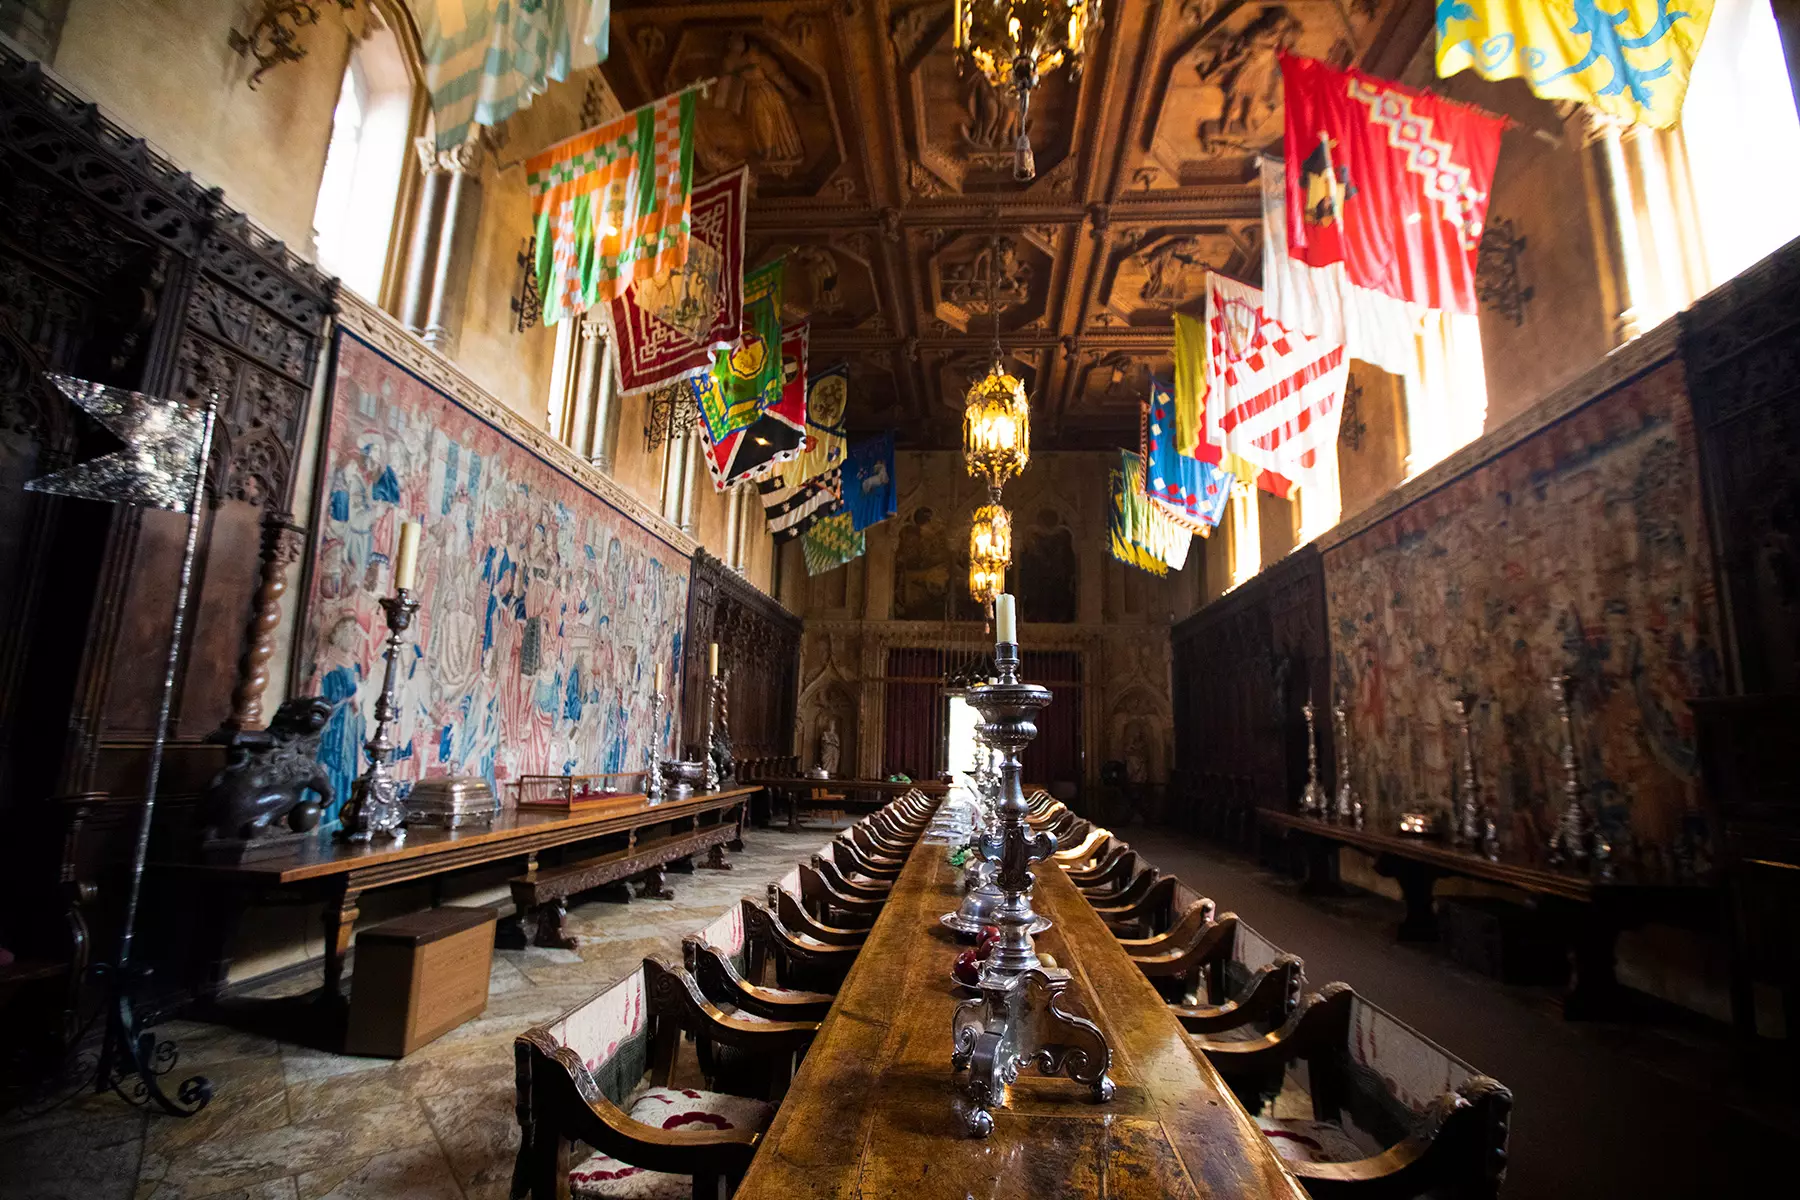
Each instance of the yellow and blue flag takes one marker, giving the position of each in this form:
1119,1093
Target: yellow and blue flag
1631,62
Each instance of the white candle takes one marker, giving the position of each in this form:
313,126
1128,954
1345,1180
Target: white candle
712,662
657,686
406,559
1006,624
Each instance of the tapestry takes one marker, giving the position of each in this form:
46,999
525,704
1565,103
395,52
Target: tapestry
1630,62
668,325
1582,549
543,609
1393,183
612,205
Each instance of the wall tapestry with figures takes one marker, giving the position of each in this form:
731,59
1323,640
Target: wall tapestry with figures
543,608
1580,549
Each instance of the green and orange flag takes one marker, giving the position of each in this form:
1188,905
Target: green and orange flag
612,205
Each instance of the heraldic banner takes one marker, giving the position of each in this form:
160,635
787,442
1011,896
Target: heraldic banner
1391,182
668,325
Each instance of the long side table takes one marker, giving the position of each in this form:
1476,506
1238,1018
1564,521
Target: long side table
875,1108
1593,910
844,793
337,873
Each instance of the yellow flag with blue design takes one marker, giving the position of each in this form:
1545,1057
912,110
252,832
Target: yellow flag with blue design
1630,61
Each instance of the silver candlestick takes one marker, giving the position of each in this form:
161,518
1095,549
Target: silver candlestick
711,781
1465,825
1312,800
1568,841
1009,722
375,809
653,787
1019,1018
1349,807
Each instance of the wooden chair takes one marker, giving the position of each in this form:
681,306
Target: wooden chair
834,907
1102,886
1174,961
1085,852
851,862
581,1080
1132,892
722,984
1103,857
870,846
798,958
787,906
1394,1114
864,888
1164,900
1252,987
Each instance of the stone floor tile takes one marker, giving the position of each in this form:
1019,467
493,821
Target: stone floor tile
416,1173
479,1132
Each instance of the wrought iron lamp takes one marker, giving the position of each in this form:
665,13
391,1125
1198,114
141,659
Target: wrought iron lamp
990,549
1015,43
997,425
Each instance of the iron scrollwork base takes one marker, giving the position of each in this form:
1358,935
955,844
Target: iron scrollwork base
1024,1022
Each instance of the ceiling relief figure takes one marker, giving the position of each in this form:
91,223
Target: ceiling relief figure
754,87
1174,272
998,264
821,268
1242,66
993,122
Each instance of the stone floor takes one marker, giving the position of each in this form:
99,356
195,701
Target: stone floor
289,1122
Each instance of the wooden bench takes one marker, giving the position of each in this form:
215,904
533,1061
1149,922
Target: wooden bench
544,891
1393,1114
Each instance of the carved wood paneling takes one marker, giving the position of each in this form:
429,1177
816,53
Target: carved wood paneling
759,649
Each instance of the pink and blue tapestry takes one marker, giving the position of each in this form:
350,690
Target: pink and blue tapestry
543,609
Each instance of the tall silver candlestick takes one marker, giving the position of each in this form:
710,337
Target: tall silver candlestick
710,783
1465,825
1568,841
653,786
375,809
1312,799
1349,808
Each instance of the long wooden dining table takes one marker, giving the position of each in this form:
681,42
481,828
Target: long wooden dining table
875,1109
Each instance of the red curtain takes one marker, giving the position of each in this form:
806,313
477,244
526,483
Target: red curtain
1055,756
917,716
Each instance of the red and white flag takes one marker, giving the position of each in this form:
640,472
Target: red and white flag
1391,182
1274,397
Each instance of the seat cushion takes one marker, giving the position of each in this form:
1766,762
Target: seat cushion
665,1108
1310,1141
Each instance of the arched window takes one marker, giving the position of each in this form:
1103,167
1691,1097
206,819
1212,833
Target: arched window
353,221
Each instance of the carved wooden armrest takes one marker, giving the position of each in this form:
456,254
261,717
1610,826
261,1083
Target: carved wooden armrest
720,983
568,1106
773,933
1181,935
1156,898
1090,847
1321,1022
798,920
1131,893
674,994
1269,997
1107,884
1459,1147
1089,871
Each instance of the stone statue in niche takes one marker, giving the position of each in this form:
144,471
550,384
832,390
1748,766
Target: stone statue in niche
753,85
830,746
1243,66
1137,755
993,124
267,775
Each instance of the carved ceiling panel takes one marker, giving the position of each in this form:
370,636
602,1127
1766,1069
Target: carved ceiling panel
882,172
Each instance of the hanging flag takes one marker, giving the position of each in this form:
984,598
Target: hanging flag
746,380
1189,397
612,205
775,435
487,59
1138,533
1631,63
1371,325
790,511
869,491
1190,493
1274,397
161,462
827,396
830,542
1391,182
669,324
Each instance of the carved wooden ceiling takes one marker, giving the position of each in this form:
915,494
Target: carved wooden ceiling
884,175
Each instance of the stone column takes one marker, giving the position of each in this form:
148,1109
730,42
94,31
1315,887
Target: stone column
590,353
421,256
605,403
690,467
450,272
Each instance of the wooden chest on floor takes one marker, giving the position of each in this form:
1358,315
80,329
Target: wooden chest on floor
417,978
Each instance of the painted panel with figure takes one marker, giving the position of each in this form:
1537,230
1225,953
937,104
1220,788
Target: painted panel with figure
1581,549
543,609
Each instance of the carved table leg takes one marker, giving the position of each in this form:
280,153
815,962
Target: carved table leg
553,926
653,885
340,929
683,865
1321,867
793,799
743,818
1416,883
715,859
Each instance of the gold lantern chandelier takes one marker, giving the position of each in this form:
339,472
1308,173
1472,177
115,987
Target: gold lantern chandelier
990,549
996,415
1015,43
